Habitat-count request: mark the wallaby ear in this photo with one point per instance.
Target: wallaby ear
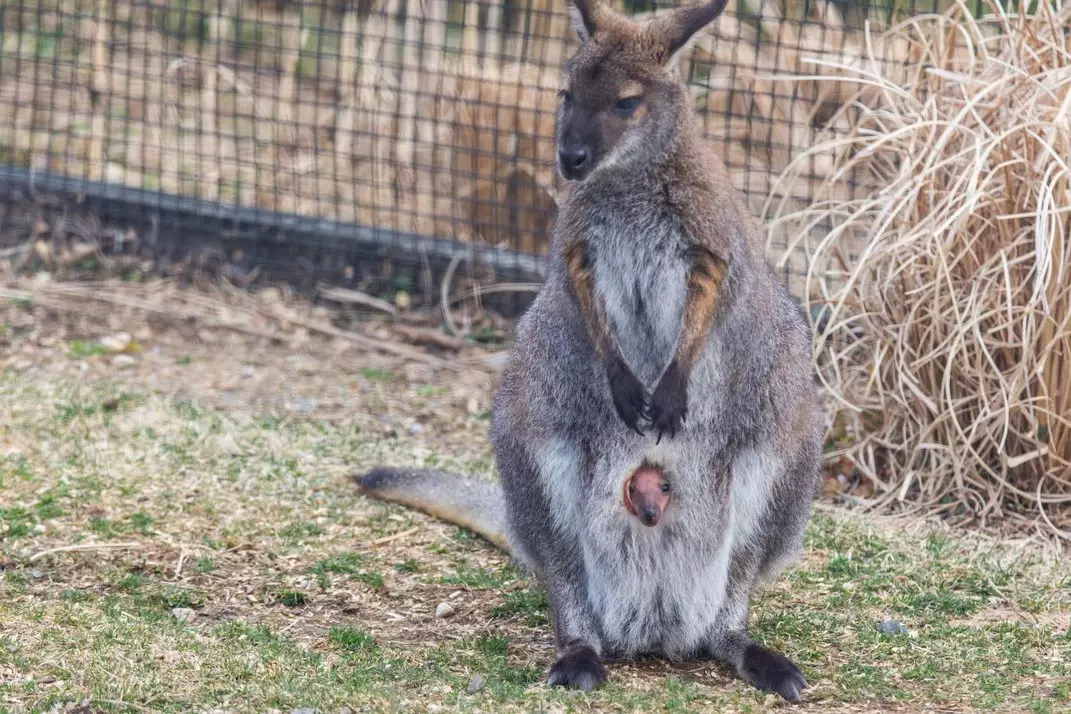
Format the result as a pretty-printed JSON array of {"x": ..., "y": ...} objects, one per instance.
[
  {"x": 683, "y": 24},
  {"x": 582, "y": 13}
]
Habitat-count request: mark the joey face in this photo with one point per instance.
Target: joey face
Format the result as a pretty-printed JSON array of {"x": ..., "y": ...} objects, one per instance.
[
  {"x": 622, "y": 92},
  {"x": 647, "y": 494}
]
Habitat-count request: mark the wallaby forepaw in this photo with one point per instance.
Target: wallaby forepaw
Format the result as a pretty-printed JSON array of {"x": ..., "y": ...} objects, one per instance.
[
  {"x": 577, "y": 669},
  {"x": 772, "y": 672},
  {"x": 630, "y": 397},
  {"x": 669, "y": 404}
]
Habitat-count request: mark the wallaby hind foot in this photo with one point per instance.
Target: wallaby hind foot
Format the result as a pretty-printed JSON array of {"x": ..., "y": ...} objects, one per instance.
[
  {"x": 579, "y": 668},
  {"x": 771, "y": 671}
]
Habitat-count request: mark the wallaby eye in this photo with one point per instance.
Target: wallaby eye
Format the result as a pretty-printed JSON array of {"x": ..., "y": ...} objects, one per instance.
[
  {"x": 625, "y": 107},
  {"x": 565, "y": 96},
  {"x": 665, "y": 488}
]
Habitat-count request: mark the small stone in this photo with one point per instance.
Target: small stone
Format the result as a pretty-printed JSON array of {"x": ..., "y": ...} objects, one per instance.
[
  {"x": 476, "y": 684},
  {"x": 416, "y": 428},
  {"x": 248, "y": 372},
  {"x": 305, "y": 404},
  {"x": 124, "y": 361},
  {"x": 892, "y": 627},
  {"x": 36, "y": 574},
  {"x": 183, "y": 614},
  {"x": 402, "y": 300},
  {"x": 444, "y": 609},
  {"x": 305, "y": 710},
  {"x": 117, "y": 342}
]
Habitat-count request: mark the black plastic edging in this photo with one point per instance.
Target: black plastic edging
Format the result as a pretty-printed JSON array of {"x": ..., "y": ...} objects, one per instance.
[{"x": 117, "y": 201}]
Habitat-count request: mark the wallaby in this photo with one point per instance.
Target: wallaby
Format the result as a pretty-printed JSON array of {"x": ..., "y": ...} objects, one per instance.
[{"x": 660, "y": 339}]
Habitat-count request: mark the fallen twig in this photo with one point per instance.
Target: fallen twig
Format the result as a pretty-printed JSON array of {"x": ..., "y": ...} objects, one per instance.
[
  {"x": 356, "y": 297},
  {"x": 432, "y": 337},
  {"x": 395, "y": 536}
]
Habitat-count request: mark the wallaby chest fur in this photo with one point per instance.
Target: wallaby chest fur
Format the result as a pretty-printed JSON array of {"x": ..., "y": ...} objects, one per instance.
[{"x": 644, "y": 305}]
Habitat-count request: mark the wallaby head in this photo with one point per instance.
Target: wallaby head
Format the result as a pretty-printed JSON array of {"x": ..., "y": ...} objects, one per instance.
[
  {"x": 647, "y": 494},
  {"x": 623, "y": 97}
]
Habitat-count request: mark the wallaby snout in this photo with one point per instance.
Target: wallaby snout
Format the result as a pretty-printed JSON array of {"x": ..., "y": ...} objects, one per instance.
[
  {"x": 651, "y": 515},
  {"x": 574, "y": 162},
  {"x": 579, "y": 132}
]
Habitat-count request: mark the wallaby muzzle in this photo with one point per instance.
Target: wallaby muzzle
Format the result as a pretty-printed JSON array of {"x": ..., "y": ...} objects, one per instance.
[
  {"x": 575, "y": 162},
  {"x": 576, "y": 156},
  {"x": 576, "y": 139}
]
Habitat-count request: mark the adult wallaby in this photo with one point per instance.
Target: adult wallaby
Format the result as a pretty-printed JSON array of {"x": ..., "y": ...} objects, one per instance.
[{"x": 661, "y": 339}]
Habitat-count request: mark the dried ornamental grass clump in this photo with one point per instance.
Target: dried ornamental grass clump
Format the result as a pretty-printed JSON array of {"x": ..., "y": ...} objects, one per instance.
[{"x": 946, "y": 342}]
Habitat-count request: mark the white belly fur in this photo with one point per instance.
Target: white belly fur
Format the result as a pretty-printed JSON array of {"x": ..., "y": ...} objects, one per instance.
[{"x": 650, "y": 593}]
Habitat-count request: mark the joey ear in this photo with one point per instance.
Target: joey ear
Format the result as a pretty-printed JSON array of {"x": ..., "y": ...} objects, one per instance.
[
  {"x": 582, "y": 13},
  {"x": 682, "y": 25}
]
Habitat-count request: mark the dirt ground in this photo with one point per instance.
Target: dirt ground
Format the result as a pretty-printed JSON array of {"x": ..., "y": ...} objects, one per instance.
[{"x": 178, "y": 531}]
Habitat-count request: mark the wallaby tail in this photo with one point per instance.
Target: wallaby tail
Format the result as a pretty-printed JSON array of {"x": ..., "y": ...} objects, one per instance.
[{"x": 470, "y": 503}]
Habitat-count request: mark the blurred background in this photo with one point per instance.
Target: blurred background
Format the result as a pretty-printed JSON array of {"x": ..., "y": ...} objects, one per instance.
[{"x": 370, "y": 144}]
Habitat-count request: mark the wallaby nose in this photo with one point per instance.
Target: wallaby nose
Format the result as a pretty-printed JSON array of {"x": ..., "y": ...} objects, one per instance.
[
  {"x": 573, "y": 161},
  {"x": 650, "y": 516}
]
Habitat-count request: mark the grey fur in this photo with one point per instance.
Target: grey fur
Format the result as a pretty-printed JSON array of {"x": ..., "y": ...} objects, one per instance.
[
  {"x": 476, "y": 505},
  {"x": 744, "y": 466}
]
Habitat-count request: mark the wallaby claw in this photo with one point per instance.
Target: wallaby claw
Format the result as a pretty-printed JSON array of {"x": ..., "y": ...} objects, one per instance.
[
  {"x": 630, "y": 398},
  {"x": 669, "y": 404}
]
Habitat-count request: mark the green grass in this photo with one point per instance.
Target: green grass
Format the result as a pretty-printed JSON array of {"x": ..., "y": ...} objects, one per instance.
[
  {"x": 377, "y": 375},
  {"x": 293, "y": 598},
  {"x": 296, "y": 604},
  {"x": 81, "y": 349},
  {"x": 351, "y": 639}
]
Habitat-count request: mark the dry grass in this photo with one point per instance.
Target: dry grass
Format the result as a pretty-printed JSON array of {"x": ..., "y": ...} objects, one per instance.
[
  {"x": 948, "y": 344},
  {"x": 437, "y": 121}
]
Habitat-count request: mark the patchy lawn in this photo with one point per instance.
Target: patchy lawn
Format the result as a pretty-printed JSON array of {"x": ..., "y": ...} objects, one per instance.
[{"x": 209, "y": 552}]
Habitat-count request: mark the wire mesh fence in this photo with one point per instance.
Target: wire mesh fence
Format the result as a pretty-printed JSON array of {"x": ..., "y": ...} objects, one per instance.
[{"x": 375, "y": 143}]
